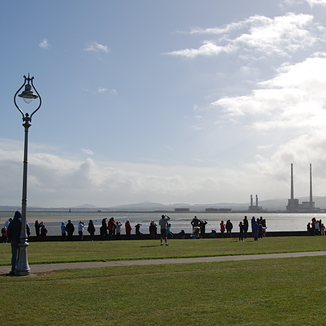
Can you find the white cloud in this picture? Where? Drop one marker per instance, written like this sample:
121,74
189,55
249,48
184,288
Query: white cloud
207,49
72,182
316,2
280,36
97,47
44,44
102,89
87,151
293,99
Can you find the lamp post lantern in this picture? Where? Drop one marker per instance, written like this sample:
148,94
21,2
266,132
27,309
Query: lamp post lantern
28,96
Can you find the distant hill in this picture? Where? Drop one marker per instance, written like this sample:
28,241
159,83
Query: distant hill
270,205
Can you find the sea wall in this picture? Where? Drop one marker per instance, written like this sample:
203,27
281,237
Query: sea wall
235,235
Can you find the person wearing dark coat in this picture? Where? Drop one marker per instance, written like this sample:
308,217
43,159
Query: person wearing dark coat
13,234
229,227
70,229
91,229
245,227
153,230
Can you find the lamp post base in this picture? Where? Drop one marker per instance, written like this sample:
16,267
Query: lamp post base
22,268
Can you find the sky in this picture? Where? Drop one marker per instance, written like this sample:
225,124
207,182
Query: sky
188,101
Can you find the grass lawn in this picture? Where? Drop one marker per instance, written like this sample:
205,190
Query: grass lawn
289,291
74,251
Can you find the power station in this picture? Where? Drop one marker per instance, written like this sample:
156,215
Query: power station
254,208
293,204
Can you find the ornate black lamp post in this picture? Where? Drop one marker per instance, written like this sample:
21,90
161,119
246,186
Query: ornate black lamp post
28,96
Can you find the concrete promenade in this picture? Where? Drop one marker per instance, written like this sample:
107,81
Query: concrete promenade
40,269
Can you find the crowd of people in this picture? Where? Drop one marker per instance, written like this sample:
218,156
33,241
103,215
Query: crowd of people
316,227
111,229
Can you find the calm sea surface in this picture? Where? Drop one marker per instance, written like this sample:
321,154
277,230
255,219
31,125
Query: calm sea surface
179,221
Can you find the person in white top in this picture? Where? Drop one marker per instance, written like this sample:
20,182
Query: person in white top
163,223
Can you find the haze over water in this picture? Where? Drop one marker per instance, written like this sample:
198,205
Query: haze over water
179,221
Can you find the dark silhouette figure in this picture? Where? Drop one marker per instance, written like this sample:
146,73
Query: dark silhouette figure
91,229
103,230
137,229
128,229
202,226
153,230
70,230
245,227
241,231
229,227
13,233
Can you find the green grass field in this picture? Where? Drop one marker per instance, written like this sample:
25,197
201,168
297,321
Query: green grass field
75,251
289,291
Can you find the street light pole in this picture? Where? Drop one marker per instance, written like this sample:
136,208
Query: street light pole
22,268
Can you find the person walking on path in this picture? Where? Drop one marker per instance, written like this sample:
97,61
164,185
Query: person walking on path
13,234
163,223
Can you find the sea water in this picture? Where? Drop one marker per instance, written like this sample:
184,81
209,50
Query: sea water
179,221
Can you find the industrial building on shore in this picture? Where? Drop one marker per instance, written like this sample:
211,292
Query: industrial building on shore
294,206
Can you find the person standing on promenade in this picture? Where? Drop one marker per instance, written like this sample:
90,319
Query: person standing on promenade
81,226
128,229
118,229
7,223
13,234
195,222
253,222
153,230
163,222
138,233
63,231
245,227
222,229
111,227
229,227
70,230
91,229
44,232
256,230
202,225
103,230
241,231
4,234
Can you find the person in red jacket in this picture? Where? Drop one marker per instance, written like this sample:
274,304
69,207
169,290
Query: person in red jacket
111,227
222,228
128,229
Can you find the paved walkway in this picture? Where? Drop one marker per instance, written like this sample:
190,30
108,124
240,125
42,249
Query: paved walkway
48,268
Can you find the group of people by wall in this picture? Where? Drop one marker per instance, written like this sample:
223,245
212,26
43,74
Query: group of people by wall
198,228
258,228
316,227
110,229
